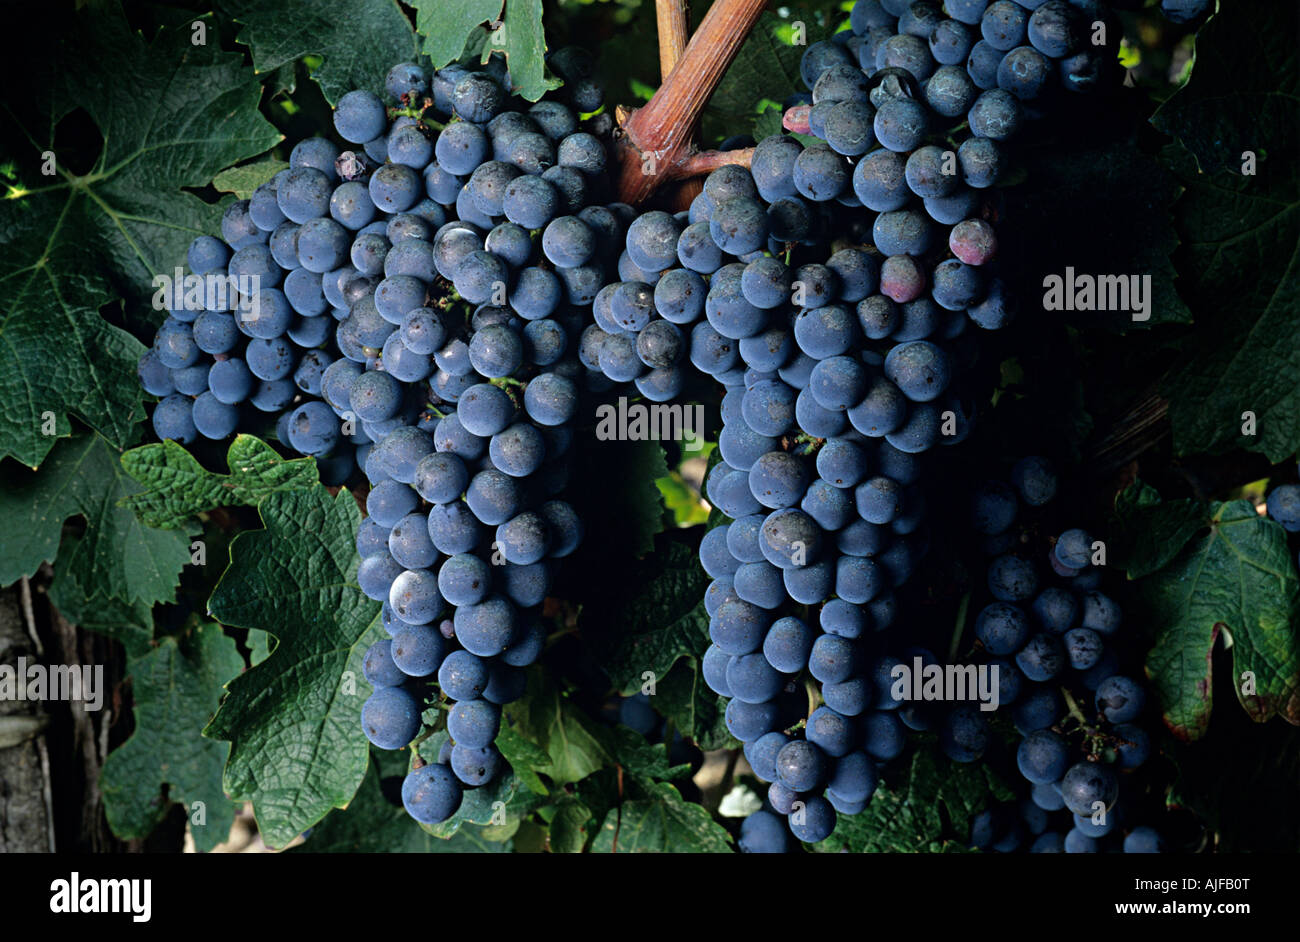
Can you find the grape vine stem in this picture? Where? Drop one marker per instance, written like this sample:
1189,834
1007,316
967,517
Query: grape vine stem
705,162
657,137
671,18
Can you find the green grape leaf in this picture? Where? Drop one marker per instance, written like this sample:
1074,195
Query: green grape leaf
118,557
297,749
374,823
357,45
513,27
74,242
446,25
1239,580
570,827
905,816
575,745
1240,228
178,488
660,822
131,623
1248,47
521,39
660,620
698,713
645,760
176,688
1151,532
246,178
768,62
1237,383
523,756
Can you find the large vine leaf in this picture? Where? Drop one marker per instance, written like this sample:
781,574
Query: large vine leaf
513,27
297,749
695,710
1249,50
906,817
767,66
662,620
118,557
131,623
177,487
1239,579
575,746
1151,532
1240,264
358,43
171,114
176,688
660,822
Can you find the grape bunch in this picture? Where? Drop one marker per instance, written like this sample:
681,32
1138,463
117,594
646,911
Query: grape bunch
838,291
463,522
843,280
428,288
1059,644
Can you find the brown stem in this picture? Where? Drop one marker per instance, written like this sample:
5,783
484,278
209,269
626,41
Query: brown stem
705,162
664,125
670,18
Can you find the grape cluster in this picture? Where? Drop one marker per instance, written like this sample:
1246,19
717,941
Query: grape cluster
1057,639
843,279
426,291
833,291
463,522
